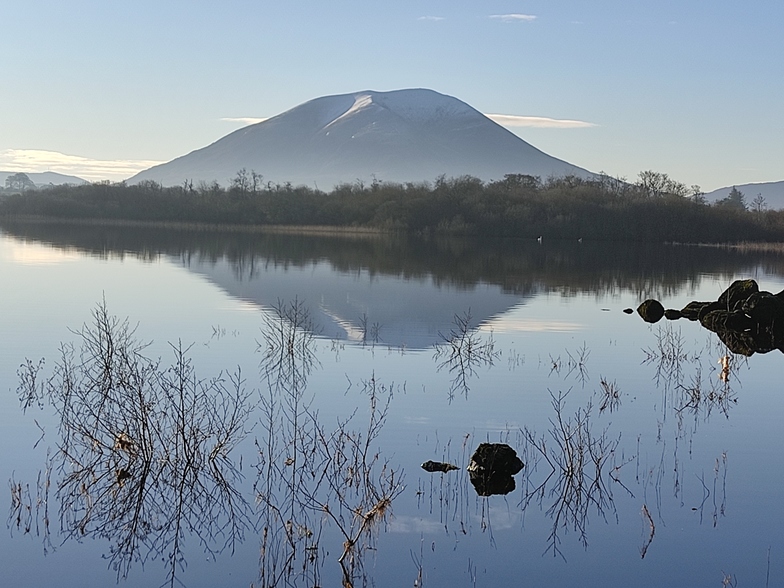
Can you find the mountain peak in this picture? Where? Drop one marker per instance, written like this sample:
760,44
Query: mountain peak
408,135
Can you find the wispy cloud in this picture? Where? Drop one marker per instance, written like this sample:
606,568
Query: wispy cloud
432,18
246,120
513,17
514,120
35,254
37,160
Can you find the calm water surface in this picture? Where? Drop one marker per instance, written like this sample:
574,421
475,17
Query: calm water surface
643,466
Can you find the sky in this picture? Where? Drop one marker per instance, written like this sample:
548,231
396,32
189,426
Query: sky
691,88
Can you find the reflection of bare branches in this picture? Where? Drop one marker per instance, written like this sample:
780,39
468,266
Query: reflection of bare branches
699,399
144,455
30,512
668,356
288,350
30,390
317,476
576,363
463,351
652,531
371,333
611,395
578,462
719,471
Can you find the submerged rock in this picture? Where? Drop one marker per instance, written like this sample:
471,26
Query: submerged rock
651,311
438,466
491,468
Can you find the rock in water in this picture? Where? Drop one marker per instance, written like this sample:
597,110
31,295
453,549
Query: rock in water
438,466
491,468
737,293
747,320
651,311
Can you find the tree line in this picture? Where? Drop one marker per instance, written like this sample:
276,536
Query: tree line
653,208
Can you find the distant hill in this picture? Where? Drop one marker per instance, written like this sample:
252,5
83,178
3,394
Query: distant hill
401,136
772,192
41,179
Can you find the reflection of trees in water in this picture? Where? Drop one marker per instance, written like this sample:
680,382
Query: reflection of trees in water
696,381
144,456
679,371
314,481
462,352
579,468
519,267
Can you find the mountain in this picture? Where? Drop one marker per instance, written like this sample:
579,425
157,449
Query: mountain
401,136
43,179
772,192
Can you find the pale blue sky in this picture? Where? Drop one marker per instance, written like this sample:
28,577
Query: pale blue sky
691,88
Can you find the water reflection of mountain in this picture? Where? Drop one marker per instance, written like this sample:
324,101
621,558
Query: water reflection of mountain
411,287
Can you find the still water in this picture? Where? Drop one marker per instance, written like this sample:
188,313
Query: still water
267,400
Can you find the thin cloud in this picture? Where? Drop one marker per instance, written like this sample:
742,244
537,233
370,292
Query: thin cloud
246,120
513,17
542,122
432,18
38,160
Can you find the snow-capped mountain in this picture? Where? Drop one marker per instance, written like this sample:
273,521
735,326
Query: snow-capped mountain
402,136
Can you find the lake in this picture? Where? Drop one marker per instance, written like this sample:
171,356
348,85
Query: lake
239,408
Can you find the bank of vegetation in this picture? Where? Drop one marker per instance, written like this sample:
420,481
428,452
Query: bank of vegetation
654,208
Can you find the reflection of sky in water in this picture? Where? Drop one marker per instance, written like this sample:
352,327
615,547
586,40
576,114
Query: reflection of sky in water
670,458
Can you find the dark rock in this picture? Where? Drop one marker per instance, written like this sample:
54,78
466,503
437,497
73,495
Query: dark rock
737,293
651,311
628,310
764,307
692,310
747,320
740,343
708,308
491,468
438,466
672,315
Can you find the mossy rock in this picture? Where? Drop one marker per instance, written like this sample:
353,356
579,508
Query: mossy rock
708,308
692,310
715,320
737,293
764,307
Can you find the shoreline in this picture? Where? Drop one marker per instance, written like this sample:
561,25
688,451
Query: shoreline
327,231
319,230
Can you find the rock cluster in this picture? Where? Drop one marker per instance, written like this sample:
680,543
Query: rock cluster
490,470
746,319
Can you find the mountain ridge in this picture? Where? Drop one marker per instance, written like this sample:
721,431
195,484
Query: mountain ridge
772,192
407,135
42,179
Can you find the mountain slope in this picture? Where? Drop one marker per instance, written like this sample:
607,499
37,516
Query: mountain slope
772,192
401,136
41,179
